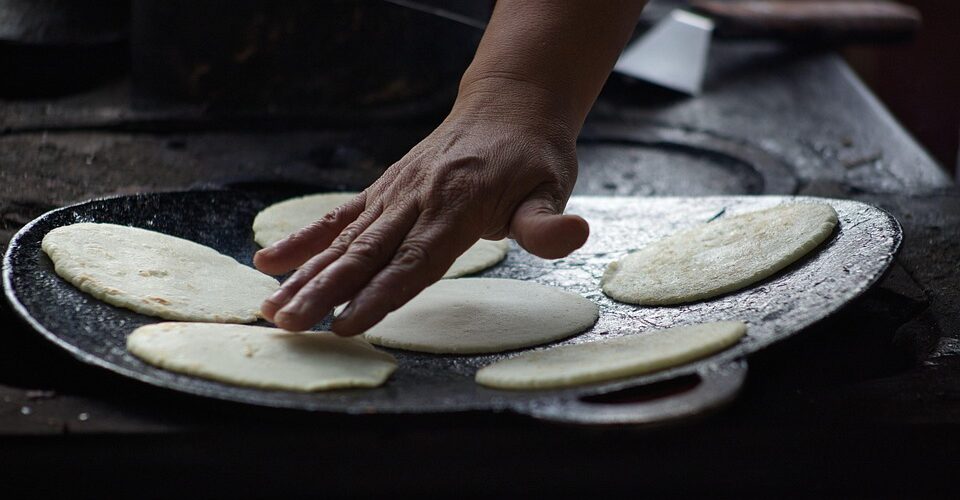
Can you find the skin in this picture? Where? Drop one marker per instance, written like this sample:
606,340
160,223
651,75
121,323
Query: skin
502,164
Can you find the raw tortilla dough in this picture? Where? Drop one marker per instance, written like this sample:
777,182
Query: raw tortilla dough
719,257
483,254
483,315
604,360
267,358
157,274
280,220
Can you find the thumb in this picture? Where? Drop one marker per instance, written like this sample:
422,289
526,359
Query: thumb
540,229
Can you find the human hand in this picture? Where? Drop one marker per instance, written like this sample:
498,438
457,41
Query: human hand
492,169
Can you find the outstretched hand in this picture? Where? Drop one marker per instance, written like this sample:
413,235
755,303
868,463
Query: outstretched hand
502,164
474,177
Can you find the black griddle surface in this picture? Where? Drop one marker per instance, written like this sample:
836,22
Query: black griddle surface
838,271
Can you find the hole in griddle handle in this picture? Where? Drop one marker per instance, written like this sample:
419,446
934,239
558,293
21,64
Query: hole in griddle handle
649,392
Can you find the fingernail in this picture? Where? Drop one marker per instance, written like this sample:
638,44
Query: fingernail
284,318
279,297
346,312
293,307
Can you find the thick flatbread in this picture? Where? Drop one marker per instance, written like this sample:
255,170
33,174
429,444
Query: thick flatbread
157,274
484,315
604,360
718,257
267,358
280,220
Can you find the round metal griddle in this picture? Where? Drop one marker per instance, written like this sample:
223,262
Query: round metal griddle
842,268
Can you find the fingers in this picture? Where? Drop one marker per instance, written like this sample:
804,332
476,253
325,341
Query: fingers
540,229
340,279
422,259
292,251
315,265
294,283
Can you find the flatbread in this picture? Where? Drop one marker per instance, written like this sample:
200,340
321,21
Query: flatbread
718,257
157,274
599,361
483,254
267,358
484,315
280,220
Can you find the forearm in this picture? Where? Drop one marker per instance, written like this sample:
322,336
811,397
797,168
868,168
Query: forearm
547,58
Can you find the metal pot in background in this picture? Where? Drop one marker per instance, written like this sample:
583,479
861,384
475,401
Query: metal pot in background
56,47
298,57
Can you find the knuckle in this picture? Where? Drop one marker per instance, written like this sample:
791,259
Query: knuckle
338,215
457,173
553,194
322,224
304,235
300,277
366,248
325,225
315,287
331,217
454,194
410,255
345,238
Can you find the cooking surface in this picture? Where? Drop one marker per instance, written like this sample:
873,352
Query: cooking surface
841,269
866,403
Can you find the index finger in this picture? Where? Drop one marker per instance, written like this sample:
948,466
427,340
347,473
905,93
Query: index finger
299,247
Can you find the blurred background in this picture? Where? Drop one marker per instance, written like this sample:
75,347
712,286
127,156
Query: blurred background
920,80
181,52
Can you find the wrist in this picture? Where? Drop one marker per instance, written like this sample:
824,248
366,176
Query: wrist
512,100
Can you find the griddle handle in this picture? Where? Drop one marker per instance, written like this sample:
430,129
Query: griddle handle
707,390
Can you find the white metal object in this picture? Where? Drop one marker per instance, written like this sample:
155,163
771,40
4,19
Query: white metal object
672,54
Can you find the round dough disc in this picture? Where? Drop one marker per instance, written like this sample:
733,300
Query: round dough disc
280,220
719,257
484,315
157,274
604,360
267,358
483,254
